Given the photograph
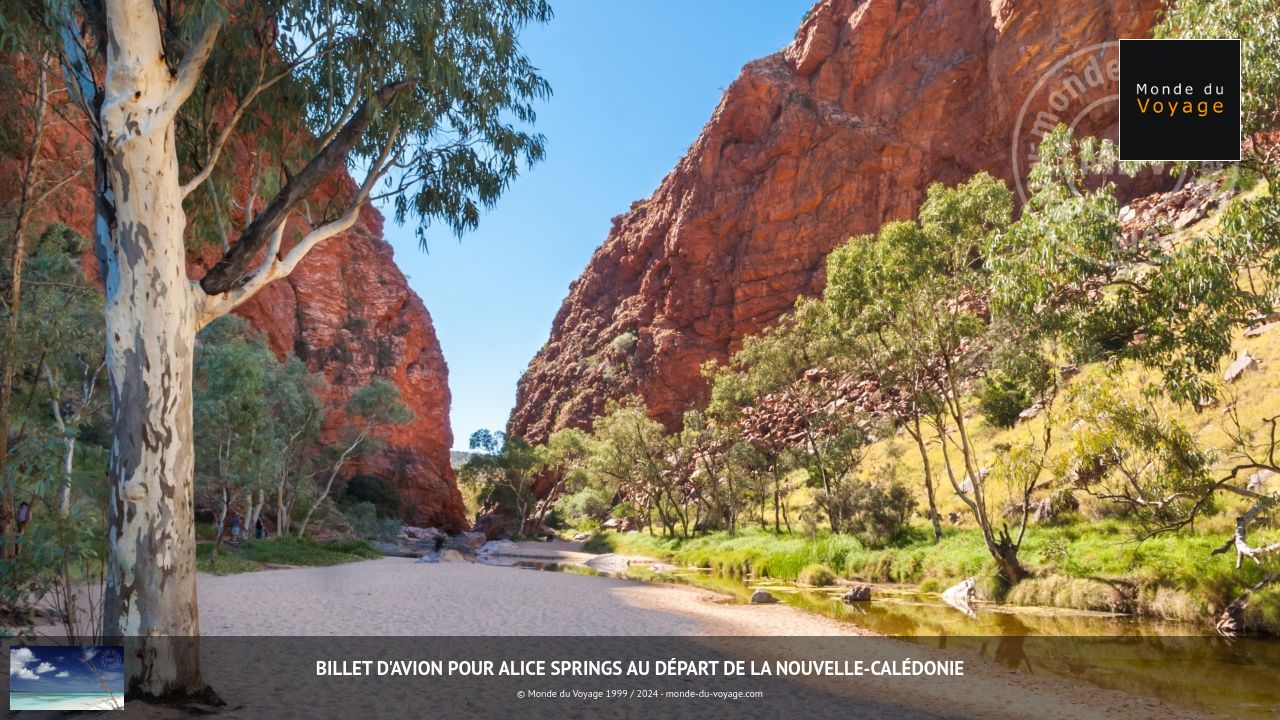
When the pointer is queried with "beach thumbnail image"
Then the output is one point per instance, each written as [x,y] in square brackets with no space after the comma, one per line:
[66,677]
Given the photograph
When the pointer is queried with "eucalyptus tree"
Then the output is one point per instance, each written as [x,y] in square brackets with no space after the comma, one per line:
[920,288]
[504,469]
[426,102]
[234,437]
[371,407]
[802,419]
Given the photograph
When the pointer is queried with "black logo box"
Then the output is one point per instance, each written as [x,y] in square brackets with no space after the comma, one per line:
[1189,66]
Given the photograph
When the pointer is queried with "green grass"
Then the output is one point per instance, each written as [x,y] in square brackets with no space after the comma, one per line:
[1086,566]
[817,575]
[254,555]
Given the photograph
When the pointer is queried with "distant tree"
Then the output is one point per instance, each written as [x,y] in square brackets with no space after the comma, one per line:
[821,438]
[634,456]
[504,469]
[233,430]
[561,467]
[297,411]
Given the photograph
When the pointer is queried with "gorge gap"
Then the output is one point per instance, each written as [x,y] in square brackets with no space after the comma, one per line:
[833,136]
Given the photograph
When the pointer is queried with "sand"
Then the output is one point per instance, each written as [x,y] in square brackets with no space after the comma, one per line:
[406,604]
[398,597]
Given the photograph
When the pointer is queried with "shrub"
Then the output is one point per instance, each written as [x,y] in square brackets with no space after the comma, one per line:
[817,574]
[372,489]
[1017,382]
[876,514]
[585,507]
[625,343]
[364,520]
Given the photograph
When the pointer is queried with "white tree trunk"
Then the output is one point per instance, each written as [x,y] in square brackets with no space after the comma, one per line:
[282,511]
[150,328]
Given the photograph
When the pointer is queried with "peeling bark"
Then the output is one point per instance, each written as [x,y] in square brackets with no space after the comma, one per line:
[150,596]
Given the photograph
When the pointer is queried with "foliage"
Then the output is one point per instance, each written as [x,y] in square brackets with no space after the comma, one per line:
[1017,380]
[816,574]
[586,508]
[1126,451]
[1254,22]
[876,514]
[368,522]
[503,469]
[54,450]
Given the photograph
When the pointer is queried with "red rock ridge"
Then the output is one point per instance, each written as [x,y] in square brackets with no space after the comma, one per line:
[347,311]
[837,134]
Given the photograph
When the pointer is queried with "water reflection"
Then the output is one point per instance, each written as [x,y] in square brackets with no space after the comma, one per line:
[1181,664]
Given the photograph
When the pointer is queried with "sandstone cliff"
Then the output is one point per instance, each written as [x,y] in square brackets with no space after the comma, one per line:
[347,311]
[835,135]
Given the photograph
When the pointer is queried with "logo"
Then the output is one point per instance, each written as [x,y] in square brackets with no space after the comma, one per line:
[1180,100]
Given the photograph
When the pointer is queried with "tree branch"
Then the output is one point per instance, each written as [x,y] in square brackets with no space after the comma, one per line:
[192,66]
[273,268]
[235,263]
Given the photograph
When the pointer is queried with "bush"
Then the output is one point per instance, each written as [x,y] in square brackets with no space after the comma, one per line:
[1015,385]
[372,489]
[364,520]
[625,343]
[817,574]
[591,505]
[626,510]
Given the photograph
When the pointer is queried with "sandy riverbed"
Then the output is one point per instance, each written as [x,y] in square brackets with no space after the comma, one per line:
[398,597]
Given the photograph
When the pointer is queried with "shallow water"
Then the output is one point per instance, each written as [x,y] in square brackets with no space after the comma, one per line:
[1179,663]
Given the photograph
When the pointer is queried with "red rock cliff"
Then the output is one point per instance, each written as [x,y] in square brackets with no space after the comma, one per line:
[347,311]
[837,134]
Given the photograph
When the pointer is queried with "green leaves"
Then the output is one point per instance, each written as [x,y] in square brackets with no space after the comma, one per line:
[1067,272]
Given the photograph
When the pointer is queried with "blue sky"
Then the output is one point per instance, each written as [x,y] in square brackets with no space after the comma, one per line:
[633,84]
[62,669]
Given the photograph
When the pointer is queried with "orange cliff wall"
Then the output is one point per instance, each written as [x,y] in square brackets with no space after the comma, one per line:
[837,134]
[347,311]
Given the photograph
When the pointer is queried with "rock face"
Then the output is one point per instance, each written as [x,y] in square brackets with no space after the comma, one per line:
[837,134]
[347,311]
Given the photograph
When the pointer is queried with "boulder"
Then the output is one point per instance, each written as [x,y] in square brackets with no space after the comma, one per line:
[409,532]
[491,524]
[497,547]
[762,597]
[960,596]
[468,541]
[857,593]
[1244,361]
[582,537]
[1256,330]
